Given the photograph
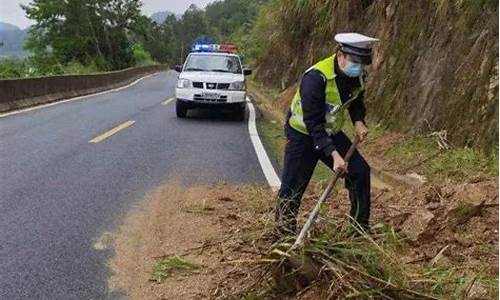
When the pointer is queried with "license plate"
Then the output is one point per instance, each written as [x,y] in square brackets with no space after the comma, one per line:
[211,95]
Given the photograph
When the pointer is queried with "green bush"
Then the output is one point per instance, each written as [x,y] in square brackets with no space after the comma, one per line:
[13,67]
[75,67]
[141,56]
[45,65]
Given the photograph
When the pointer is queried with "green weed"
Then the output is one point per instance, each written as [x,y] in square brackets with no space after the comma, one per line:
[447,282]
[457,163]
[166,266]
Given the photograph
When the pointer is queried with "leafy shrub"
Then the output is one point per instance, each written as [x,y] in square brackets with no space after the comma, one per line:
[141,56]
[13,67]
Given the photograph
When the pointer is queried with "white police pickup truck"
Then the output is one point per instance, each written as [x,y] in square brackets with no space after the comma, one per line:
[212,77]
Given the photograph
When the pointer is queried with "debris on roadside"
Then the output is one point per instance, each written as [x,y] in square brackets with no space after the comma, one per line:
[429,242]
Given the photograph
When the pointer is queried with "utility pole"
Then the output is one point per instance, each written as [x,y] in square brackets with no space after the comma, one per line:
[182,52]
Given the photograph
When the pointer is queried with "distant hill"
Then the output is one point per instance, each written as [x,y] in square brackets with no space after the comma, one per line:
[159,17]
[12,40]
[8,27]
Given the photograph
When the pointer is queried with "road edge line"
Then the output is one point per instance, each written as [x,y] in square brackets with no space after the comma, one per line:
[265,163]
[23,110]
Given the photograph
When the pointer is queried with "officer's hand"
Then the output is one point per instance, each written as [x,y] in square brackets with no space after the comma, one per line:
[361,130]
[339,164]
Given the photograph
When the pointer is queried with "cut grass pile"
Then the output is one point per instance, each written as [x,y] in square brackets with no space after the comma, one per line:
[353,264]
[338,261]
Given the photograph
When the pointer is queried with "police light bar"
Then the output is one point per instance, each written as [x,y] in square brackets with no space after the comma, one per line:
[224,48]
[204,48]
[229,48]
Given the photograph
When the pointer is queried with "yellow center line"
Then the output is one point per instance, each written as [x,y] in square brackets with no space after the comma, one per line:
[168,101]
[109,133]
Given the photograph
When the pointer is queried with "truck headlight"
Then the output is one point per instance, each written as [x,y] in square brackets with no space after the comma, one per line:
[237,86]
[183,83]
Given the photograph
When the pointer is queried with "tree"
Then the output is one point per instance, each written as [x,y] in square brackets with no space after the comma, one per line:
[157,39]
[91,31]
[192,25]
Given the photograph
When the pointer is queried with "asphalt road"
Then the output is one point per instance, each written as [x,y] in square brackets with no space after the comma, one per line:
[59,192]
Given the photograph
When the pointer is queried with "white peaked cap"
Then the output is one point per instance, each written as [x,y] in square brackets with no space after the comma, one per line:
[356,44]
[355,39]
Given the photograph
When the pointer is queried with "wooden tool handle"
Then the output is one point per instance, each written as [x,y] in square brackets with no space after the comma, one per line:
[351,150]
[314,213]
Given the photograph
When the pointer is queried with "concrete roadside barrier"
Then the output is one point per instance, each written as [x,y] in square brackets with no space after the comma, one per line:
[25,92]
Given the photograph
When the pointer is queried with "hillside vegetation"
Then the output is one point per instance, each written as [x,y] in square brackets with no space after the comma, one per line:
[436,67]
[75,37]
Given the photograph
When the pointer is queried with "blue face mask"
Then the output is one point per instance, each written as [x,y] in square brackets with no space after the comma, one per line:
[352,69]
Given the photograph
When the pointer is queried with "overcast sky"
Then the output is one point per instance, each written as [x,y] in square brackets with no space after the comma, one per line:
[11,12]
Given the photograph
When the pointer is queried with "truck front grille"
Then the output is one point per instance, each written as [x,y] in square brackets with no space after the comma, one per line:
[210,85]
[223,86]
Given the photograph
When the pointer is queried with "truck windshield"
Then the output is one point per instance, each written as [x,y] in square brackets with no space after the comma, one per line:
[213,63]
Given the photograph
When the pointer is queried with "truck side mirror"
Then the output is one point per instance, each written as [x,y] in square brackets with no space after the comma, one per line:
[178,68]
[247,72]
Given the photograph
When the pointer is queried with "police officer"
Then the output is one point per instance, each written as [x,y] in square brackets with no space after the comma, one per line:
[329,91]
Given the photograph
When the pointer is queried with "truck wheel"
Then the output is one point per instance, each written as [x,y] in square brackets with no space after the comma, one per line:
[180,109]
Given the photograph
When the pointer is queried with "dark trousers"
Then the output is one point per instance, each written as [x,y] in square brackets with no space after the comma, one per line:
[299,163]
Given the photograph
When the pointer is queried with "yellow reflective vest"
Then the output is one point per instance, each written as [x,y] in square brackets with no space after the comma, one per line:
[336,112]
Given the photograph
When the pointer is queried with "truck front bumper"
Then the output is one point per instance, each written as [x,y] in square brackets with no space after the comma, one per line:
[211,97]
